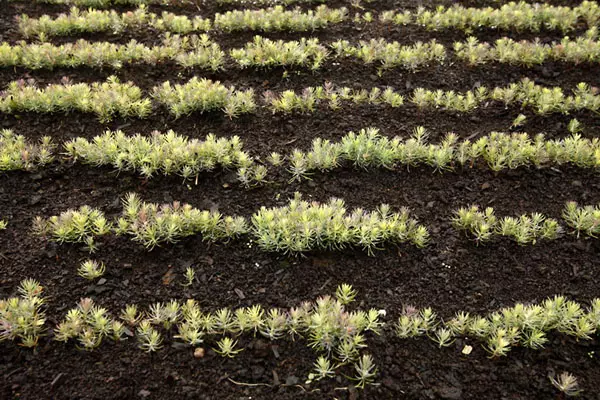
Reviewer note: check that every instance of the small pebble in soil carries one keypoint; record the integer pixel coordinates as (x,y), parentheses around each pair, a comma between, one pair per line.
(199,352)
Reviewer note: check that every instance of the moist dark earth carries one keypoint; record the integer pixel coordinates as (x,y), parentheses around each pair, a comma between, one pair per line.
(451,274)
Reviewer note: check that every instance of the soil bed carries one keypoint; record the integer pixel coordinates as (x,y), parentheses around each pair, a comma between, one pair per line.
(450,275)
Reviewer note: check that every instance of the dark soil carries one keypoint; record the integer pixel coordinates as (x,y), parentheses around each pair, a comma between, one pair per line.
(451,274)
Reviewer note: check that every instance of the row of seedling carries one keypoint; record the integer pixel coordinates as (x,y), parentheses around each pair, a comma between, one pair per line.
(109,3)
(528,53)
(266,20)
(338,335)
(173,154)
(112,99)
(327,325)
(300,226)
(521,16)
(201,52)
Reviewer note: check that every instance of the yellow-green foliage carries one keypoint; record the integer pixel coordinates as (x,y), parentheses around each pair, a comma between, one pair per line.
(302,226)
(519,16)
(16,153)
(107,100)
(527,53)
(279,19)
(187,51)
(498,151)
(392,54)
(74,226)
(153,224)
(203,95)
(585,219)
(89,324)
(526,229)
(21,318)
(159,153)
(266,53)
(500,331)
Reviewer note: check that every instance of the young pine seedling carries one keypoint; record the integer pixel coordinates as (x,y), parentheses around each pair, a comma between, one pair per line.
(190,276)
(131,315)
(322,369)
(91,269)
(443,337)
(566,383)
(345,294)
(519,121)
(149,338)
(366,370)
(227,347)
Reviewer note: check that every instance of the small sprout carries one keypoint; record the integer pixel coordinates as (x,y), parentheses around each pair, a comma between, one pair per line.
(322,369)
(118,330)
(3,224)
(499,343)
(91,269)
(366,371)
(443,337)
(149,338)
(345,293)
(519,121)
(30,288)
(130,315)
(534,339)
(275,159)
(190,276)
(566,383)
(574,126)
(227,347)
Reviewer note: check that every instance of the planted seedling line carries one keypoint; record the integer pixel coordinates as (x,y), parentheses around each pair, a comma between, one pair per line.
(265,20)
(293,229)
(300,226)
(337,334)
(172,154)
(497,151)
(520,16)
(109,3)
(188,51)
(484,225)
(112,99)
(202,52)
(517,16)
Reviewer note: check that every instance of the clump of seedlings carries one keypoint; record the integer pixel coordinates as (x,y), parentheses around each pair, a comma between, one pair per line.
(584,220)
(279,19)
(500,331)
(525,229)
(203,95)
(165,154)
(336,333)
(22,319)
(17,153)
(107,100)
(266,53)
(89,324)
(302,226)
(74,226)
(392,54)
(153,224)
